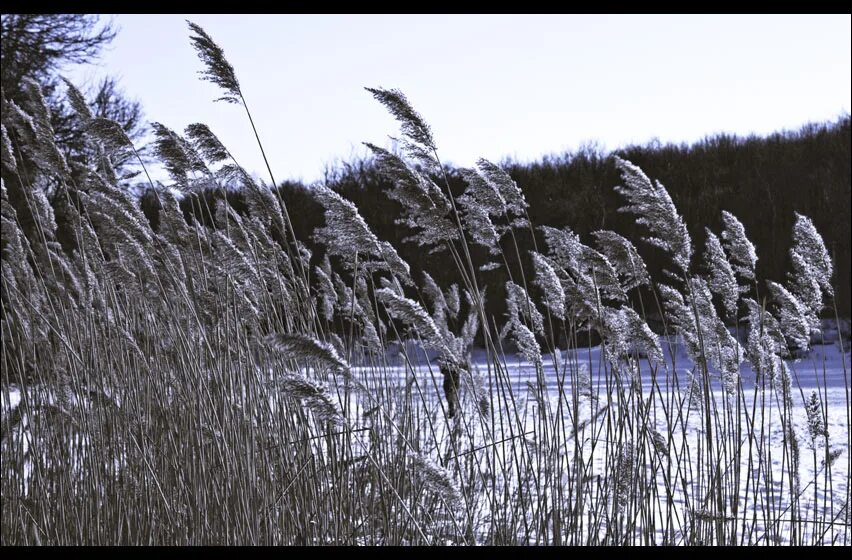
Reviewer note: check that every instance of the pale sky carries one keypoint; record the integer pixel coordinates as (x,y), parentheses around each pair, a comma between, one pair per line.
(491,86)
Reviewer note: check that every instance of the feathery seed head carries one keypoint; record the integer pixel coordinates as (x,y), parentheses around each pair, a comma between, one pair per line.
(437,479)
(520,305)
(426,209)
(44,150)
(301,347)
(656,211)
(179,157)
(741,252)
(793,316)
(805,285)
(808,243)
(624,257)
(78,102)
(8,156)
(547,279)
(207,143)
(412,124)
(722,281)
(816,423)
(218,70)
(314,396)
(502,182)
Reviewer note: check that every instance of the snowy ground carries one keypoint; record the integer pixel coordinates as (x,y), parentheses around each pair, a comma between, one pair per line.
(763,513)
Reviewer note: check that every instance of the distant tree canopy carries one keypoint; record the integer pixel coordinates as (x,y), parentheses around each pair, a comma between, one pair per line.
(38,46)
(761,180)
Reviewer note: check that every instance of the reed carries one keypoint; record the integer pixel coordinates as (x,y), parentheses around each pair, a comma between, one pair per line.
(207,382)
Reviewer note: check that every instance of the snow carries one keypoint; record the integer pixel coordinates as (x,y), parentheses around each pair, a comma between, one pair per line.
(763,481)
(763,512)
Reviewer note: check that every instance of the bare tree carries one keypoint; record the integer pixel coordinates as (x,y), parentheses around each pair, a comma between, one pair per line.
(36,45)
(39,46)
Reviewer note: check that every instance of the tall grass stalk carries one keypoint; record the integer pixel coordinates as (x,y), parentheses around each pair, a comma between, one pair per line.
(188,383)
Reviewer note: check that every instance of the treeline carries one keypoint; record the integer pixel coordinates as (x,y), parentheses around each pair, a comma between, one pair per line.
(761,180)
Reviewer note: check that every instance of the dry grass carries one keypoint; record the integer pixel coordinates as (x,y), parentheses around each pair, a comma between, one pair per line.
(198,384)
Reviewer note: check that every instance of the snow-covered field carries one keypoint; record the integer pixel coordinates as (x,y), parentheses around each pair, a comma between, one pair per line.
(672,472)
(763,513)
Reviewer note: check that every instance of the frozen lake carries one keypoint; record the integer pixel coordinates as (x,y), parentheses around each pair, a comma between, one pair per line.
(822,368)
(764,509)
(765,513)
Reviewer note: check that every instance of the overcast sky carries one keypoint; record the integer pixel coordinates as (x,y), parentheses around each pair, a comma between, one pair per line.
(490,86)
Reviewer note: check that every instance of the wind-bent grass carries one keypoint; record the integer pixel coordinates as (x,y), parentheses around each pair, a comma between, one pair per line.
(196,384)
